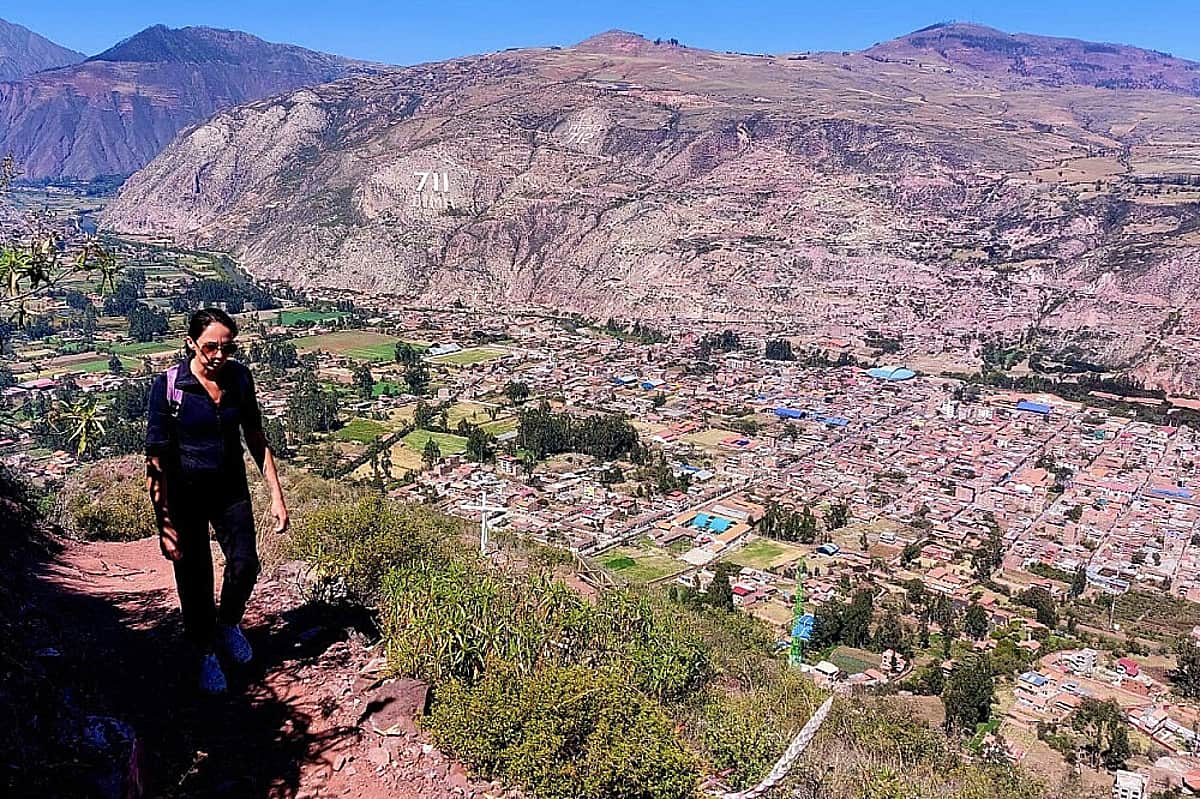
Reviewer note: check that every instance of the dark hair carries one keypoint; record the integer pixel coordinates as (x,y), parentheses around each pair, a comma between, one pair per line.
(204,317)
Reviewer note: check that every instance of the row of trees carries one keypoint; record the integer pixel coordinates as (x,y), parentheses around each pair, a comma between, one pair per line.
(544,432)
(787,524)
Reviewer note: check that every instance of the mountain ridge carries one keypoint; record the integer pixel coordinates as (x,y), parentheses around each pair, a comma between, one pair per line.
(817,194)
(1050,60)
(23,52)
(110,114)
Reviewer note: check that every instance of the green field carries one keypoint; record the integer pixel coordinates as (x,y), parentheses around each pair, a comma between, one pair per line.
(99,365)
(389,387)
(362,430)
(449,444)
(640,564)
(853,661)
(501,426)
(763,553)
(293,317)
(361,345)
(470,356)
(139,348)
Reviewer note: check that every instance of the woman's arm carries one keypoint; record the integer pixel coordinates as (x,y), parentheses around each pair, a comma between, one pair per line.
(260,450)
(156,484)
(159,425)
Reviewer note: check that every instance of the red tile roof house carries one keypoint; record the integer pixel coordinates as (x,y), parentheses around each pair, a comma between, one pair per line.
(1128,667)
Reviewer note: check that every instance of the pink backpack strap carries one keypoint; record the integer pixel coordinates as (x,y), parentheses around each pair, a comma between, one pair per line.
(174,392)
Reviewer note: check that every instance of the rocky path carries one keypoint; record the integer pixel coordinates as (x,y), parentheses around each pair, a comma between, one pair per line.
(312,717)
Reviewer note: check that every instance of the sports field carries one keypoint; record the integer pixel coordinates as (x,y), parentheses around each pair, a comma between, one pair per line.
(711,438)
(448,444)
(763,553)
(362,430)
(470,356)
(640,565)
(362,345)
(294,316)
(139,348)
(853,661)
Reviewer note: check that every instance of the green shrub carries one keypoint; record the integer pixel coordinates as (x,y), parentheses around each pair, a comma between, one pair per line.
(353,545)
(108,501)
(744,733)
(450,623)
(564,733)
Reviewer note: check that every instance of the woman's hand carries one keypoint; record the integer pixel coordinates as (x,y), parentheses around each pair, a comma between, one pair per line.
(168,542)
(280,512)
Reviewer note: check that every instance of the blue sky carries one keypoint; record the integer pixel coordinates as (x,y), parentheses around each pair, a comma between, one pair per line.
(405,33)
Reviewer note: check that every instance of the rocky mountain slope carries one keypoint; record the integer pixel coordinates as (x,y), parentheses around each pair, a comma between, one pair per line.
(940,201)
(1024,59)
(23,52)
(115,111)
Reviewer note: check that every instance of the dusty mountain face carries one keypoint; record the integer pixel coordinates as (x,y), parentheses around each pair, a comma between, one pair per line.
(23,52)
(807,194)
(112,113)
(1020,58)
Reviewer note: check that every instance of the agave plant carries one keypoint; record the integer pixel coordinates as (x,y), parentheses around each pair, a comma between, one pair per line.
(84,419)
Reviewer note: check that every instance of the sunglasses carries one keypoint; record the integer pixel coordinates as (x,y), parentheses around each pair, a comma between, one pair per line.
(211,347)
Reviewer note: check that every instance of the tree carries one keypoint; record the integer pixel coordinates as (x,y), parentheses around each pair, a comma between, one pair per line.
(1078,583)
(276,437)
(720,591)
(406,353)
(146,323)
(310,408)
(479,445)
(856,622)
(1186,675)
(423,415)
(911,552)
(7,378)
(516,391)
(1105,735)
(432,453)
(364,382)
(1040,600)
(115,366)
(988,556)
(837,515)
(975,622)
(890,633)
(416,376)
(915,591)
(967,695)
(779,350)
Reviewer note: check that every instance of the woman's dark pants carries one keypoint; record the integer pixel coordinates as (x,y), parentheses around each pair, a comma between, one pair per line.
(233,523)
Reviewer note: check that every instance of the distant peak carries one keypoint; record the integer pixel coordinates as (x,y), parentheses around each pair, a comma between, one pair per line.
(621,42)
(158,43)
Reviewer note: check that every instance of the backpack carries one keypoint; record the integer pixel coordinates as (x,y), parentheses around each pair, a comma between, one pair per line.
(175,393)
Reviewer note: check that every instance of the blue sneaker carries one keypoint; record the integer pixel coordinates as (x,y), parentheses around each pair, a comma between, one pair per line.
(212,679)
(234,644)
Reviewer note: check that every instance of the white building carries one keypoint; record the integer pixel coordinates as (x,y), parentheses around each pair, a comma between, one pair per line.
(1130,785)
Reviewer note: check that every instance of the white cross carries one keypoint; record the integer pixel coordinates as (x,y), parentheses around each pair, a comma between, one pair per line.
(485,520)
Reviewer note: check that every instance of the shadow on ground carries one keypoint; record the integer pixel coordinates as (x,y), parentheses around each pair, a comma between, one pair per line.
(85,658)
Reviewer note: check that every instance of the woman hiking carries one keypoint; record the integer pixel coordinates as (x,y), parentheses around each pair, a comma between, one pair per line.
(196,475)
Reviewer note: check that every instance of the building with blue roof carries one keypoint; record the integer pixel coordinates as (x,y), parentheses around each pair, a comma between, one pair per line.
(1040,408)
(892,374)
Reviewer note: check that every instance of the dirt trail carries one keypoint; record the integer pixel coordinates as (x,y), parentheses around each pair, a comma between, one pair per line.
(294,723)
